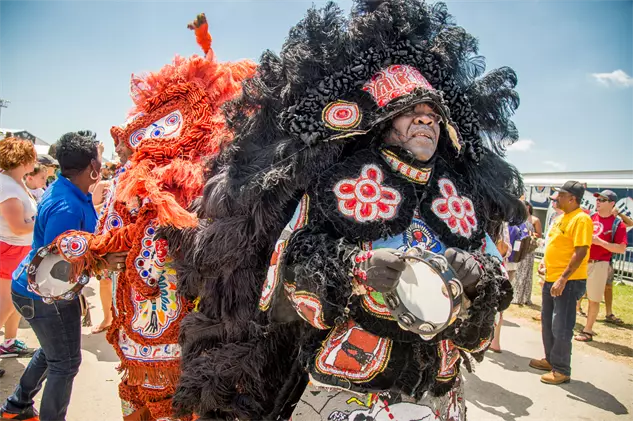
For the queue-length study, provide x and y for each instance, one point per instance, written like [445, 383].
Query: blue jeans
[58, 328]
[558, 318]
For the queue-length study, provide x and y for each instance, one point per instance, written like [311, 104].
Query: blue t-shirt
[63, 207]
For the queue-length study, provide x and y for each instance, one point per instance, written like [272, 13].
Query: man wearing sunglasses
[566, 257]
[609, 237]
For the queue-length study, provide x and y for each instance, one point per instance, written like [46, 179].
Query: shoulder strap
[614, 228]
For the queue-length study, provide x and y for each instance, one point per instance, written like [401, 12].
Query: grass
[614, 341]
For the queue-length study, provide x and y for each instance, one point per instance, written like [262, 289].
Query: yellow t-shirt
[571, 230]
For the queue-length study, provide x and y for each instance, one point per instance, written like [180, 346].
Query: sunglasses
[602, 200]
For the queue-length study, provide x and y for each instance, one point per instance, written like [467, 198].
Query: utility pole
[4, 103]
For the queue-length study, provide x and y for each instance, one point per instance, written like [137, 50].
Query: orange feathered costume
[175, 126]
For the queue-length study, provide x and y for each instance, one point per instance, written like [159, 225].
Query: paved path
[503, 387]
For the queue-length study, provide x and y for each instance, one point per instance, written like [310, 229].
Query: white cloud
[521, 145]
[555, 165]
[615, 78]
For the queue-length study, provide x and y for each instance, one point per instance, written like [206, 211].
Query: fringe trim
[142, 414]
[164, 374]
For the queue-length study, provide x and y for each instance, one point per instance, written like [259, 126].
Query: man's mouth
[423, 134]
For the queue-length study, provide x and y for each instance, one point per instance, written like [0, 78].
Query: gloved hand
[467, 269]
[379, 269]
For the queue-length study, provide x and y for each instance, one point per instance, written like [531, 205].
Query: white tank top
[10, 189]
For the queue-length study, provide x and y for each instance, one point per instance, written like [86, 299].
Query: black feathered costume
[278, 301]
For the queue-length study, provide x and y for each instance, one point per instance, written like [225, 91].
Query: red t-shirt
[602, 228]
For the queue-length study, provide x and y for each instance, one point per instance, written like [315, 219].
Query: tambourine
[49, 276]
[428, 296]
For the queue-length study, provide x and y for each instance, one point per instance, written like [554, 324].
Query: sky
[66, 65]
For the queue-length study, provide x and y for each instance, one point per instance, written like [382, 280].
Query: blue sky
[66, 65]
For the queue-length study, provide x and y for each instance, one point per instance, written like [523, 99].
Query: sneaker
[541, 364]
[555, 378]
[17, 349]
[29, 414]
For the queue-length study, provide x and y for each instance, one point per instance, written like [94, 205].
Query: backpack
[614, 228]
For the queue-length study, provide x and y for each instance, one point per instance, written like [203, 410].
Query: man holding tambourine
[384, 279]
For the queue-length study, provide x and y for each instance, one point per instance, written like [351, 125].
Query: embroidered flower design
[73, 246]
[364, 199]
[456, 211]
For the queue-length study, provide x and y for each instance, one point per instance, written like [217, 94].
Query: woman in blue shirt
[66, 205]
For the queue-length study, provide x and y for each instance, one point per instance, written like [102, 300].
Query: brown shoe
[554, 377]
[541, 364]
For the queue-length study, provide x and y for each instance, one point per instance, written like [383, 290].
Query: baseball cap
[608, 194]
[574, 188]
[46, 159]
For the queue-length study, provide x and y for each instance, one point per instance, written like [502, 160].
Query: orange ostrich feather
[163, 167]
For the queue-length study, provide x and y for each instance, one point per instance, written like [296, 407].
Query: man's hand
[379, 269]
[115, 262]
[465, 266]
[598, 241]
[558, 287]
[541, 268]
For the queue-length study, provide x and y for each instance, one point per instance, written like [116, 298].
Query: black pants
[58, 328]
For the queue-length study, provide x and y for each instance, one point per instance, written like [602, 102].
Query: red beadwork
[394, 82]
[347, 188]
[456, 211]
[365, 198]
[368, 190]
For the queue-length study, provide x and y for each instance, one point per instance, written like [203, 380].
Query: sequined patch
[352, 353]
[395, 81]
[341, 115]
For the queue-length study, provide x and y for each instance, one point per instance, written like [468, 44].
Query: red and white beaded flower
[364, 199]
[456, 211]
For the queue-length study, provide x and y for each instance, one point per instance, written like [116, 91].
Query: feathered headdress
[330, 92]
[175, 123]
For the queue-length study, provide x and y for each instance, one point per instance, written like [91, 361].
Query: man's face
[417, 131]
[123, 151]
[604, 205]
[567, 201]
